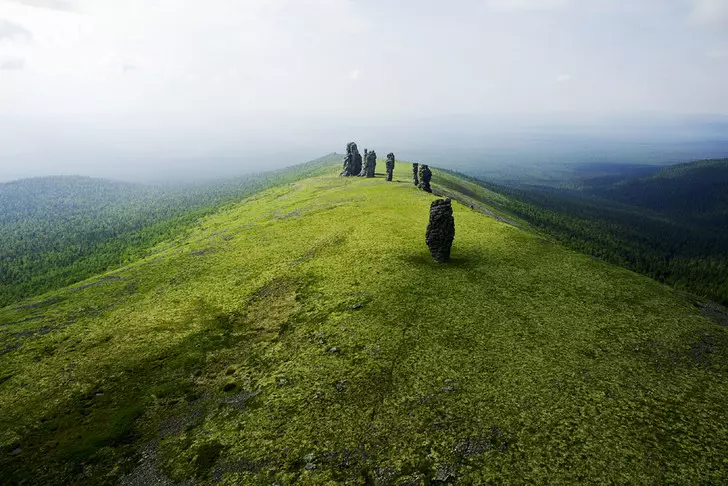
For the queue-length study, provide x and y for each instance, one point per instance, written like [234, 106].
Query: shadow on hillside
[459, 261]
[105, 422]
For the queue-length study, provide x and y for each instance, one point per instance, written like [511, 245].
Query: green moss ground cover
[305, 336]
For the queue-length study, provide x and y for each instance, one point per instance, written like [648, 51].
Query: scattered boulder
[440, 230]
[414, 174]
[352, 161]
[425, 177]
[390, 166]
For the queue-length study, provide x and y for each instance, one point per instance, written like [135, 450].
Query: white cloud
[527, 4]
[718, 53]
[175, 76]
[711, 13]
[11, 63]
[14, 31]
[49, 4]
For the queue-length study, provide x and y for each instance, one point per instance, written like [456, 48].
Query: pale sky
[89, 80]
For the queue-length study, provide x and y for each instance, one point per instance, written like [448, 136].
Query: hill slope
[306, 336]
[56, 231]
[671, 225]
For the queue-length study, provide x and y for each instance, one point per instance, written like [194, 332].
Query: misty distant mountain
[507, 148]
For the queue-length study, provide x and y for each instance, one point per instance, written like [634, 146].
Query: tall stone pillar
[440, 230]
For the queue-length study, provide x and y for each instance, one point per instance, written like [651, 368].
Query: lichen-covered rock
[346, 170]
[425, 176]
[390, 166]
[362, 170]
[370, 164]
[352, 161]
[356, 168]
[357, 163]
[414, 174]
[440, 230]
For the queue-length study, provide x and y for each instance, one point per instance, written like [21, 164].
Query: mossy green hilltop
[305, 336]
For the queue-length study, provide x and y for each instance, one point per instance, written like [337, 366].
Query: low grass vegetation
[305, 336]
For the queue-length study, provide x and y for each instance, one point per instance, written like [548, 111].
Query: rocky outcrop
[370, 164]
[352, 161]
[390, 166]
[440, 230]
[425, 176]
[415, 167]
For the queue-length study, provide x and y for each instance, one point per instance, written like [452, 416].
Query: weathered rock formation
[360, 172]
[370, 164]
[357, 164]
[390, 166]
[352, 161]
[414, 174]
[362, 169]
[440, 230]
[425, 176]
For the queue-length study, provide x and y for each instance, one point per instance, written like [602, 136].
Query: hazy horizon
[152, 90]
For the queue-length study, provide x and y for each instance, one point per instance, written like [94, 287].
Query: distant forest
[670, 224]
[56, 231]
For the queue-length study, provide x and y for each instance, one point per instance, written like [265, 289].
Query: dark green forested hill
[671, 225]
[55, 231]
[695, 192]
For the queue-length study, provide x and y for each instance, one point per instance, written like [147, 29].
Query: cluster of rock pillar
[441, 227]
[355, 165]
[440, 230]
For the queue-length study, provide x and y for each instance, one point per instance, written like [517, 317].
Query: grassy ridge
[305, 336]
[56, 231]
